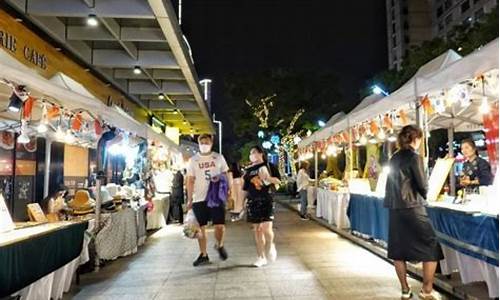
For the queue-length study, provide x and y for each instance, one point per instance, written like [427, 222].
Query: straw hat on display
[82, 203]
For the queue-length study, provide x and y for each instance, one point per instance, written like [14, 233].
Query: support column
[46, 175]
[451, 153]
[316, 178]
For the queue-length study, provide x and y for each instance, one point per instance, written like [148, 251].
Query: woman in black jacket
[411, 236]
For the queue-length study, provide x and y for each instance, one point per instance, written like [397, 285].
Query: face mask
[205, 148]
[254, 157]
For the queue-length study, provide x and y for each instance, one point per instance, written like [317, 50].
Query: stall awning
[160, 138]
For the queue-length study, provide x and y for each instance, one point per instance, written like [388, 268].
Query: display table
[368, 216]
[470, 245]
[156, 218]
[332, 206]
[120, 234]
[30, 254]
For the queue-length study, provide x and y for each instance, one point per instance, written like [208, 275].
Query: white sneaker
[260, 262]
[433, 295]
[272, 254]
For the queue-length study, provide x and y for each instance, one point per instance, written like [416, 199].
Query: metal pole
[98, 201]
[451, 153]
[180, 12]
[316, 181]
[46, 177]
[219, 124]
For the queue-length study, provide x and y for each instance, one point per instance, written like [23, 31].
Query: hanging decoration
[53, 112]
[403, 118]
[28, 107]
[427, 105]
[76, 124]
[387, 123]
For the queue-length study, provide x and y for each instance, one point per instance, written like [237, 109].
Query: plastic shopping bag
[191, 227]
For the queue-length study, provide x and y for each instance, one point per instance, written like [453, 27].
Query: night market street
[313, 263]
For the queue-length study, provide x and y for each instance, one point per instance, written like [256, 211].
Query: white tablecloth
[156, 217]
[471, 269]
[53, 285]
[332, 206]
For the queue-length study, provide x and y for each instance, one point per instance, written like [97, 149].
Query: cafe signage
[9, 42]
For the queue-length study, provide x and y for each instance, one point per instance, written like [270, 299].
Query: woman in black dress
[260, 211]
[411, 236]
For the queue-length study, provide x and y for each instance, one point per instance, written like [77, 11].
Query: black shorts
[204, 213]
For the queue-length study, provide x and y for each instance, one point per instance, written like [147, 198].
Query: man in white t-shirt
[204, 167]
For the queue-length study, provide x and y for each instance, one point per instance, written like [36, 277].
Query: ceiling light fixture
[137, 70]
[161, 96]
[92, 20]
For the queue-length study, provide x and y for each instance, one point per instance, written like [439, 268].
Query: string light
[363, 140]
[23, 138]
[42, 127]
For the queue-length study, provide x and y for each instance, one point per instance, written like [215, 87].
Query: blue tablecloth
[473, 235]
[369, 216]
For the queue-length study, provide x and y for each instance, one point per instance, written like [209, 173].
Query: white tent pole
[48, 149]
[315, 168]
[451, 154]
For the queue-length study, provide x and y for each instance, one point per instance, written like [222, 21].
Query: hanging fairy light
[69, 137]
[381, 135]
[23, 138]
[363, 140]
[331, 150]
[43, 126]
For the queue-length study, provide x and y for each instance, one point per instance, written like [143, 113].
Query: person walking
[237, 193]
[260, 210]
[203, 168]
[411, 236]
[177, 198]
[303, 180]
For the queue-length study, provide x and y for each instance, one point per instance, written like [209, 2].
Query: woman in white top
[302, 184]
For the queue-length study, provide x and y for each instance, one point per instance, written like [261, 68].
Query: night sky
[226, 36]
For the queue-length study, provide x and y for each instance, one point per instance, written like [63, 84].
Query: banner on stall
[6, 223]
[490, 122]
[438, 177]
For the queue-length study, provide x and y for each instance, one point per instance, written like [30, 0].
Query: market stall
[59, 137]
[452, 93]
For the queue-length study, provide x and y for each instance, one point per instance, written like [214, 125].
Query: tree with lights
[289, 134]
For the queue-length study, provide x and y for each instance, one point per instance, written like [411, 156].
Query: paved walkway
[313, 263]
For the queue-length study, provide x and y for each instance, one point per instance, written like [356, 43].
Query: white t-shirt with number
[203, 168]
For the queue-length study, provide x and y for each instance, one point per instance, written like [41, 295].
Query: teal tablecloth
[368, 216]
[26, 261]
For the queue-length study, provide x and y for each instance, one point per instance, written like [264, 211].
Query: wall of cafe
[31, 50]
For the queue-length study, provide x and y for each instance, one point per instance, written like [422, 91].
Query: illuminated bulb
[363, 140]
[69, 138]
[161, 96]
[323, 156]
[381, 135]
[485, 107]
[137, 70]
[42, 128]
[92, 20]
